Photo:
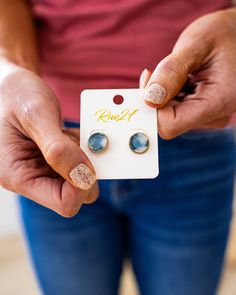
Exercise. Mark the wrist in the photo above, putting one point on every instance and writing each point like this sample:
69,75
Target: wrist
9,67
17,59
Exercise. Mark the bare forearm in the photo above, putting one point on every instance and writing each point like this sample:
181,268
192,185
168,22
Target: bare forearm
17,34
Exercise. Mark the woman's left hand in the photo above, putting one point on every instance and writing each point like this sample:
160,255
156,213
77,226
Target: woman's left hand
204,55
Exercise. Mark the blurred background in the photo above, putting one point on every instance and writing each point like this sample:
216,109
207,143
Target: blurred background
16,276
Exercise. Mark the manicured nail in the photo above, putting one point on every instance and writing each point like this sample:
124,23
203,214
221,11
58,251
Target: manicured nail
143,78
82,176
155,93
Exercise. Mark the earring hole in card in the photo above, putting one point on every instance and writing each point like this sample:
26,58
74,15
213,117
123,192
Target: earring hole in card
118,99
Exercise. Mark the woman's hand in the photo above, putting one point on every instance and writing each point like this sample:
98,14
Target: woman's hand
204,56
37,158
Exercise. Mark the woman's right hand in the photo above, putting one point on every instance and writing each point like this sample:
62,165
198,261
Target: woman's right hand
37,158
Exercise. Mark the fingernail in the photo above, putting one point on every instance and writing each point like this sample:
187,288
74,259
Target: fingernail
82,176
143,78
155,93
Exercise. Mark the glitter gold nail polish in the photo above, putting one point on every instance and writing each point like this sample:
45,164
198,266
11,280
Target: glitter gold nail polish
82,176
155,93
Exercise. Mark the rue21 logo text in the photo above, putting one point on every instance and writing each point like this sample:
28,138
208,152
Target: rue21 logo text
106,115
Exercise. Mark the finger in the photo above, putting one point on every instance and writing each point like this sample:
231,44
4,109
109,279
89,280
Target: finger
193,112
73,133
172,72
64,198
218,124
61,152
205,106
144,77
34,179
188,89
92,197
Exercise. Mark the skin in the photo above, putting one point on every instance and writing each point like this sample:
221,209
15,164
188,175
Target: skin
206,54
37,154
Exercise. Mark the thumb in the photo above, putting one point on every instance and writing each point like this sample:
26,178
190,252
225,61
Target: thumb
171,74
64,155
60,151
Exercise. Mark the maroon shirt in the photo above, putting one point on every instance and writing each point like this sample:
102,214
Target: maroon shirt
107,43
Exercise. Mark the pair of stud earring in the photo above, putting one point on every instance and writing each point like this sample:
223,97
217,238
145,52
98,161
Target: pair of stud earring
138,142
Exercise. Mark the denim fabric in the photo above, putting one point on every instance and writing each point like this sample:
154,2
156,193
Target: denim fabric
174,228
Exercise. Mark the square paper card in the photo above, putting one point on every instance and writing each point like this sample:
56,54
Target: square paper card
118,133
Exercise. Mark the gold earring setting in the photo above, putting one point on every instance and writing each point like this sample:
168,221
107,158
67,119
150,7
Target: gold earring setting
139,143
97,142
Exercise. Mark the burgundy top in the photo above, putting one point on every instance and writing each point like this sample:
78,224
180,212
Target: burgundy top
106,44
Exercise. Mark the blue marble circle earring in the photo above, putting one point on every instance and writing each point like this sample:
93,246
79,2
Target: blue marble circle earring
97,142
139,143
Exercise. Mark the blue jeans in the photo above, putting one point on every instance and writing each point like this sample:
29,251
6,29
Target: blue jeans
174,228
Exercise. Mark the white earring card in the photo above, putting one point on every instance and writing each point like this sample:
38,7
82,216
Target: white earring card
119,114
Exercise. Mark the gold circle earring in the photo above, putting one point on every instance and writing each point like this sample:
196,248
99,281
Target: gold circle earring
139,143
97,142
